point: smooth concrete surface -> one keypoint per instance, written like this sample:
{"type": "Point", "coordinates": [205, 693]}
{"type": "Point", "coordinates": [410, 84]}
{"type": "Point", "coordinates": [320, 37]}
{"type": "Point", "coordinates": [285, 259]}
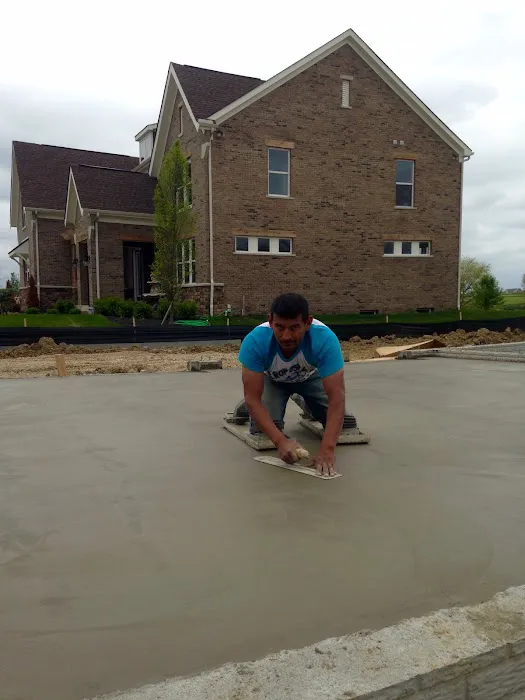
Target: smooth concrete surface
{"type": "Point", "coordinates": [469, 653]}
{"type": "Point", "coordinates": [139, 540]}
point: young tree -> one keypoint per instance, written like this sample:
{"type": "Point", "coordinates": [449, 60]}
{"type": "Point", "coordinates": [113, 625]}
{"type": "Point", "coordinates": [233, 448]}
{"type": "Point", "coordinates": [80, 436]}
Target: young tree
{"type": "Point", "coordinates": [32, 299]}
{"type": "Point", "coordinates": [471, 271]}
{"type": "Point", "coordinates": [523, 282]}
{"type": "Point", "coordinates": [14, 282]}
{"type": "Point", "coordinates": [486, 292]}
{"type": "Point", "coordinates": [174, 221]}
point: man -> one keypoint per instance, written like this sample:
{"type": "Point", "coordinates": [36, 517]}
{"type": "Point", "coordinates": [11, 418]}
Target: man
{"type": "Point", "coordinates": [294, 354]}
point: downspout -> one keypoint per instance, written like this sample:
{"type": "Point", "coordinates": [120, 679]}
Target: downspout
{"type": "Point", "coordinates": [90, 263]}
{"type": "Point", "coordinates": [37, 252]}
{"type": "Point", "coordinates": [210, 212]}
{"type": "Point", "coordinates": [98, 261]}
{"type": "Point", "coordinates": [463, 160]}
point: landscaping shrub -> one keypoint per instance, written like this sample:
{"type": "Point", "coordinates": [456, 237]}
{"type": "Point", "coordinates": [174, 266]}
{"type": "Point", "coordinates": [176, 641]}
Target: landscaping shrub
{"type": "Point", "coordinates": [32, 310]}
{"type": "Point", "coordinates": [7, 300]}
{"type": "Point", "coordinates": [141, 309]}
{"type": "Point", "coordinates": [52, 311]}
{"type": "Point", "coordinates": [75, 311]}
{"type": "Point", "coordinates": [108, 306]}
{"type": "Point", "coordinates": [161, 308]}
{"type": "Point", "coordinates": [186, 310]}
{"type": "Point", "coordinates": [64, 306]}
{"type": "Point", "coordinates": [125, 309]}
{"type": "Point", "coordinates": [32, 299]}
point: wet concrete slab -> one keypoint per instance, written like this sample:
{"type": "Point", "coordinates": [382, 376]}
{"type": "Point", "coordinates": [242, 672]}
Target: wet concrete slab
{"type": "Point", "coordinates": [139, 540]}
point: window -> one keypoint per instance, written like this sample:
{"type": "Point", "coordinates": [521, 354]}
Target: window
{"type": "Point", "coordinates": [186, 262]}
{"type": "Point", "coordinates": [181, 120]}
{"type": "Point", "coordinates": [241, 244]}
{"type": "Point", "coordinates": [285, 245]}
{"type": "Point", "coordinates": [278, 172]}
{"type": "Point", "coordinates": [253, 245]}
{"type": "Point", "coordinates": [406, 248]}
{"type": "Point", "coordinates": [405, 183]}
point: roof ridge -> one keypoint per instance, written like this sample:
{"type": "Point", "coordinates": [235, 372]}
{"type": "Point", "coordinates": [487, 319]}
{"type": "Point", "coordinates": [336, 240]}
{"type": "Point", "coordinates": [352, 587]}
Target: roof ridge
{"type": "Point", "coordinates": [105, 167]}
{"type": "Point", "coordinates": [221, 72]}
{"type": "Point", "coordinates": [72, 148]}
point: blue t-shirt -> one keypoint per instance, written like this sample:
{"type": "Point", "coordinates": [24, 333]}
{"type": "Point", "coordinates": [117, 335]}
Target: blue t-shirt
{"type": "Point", "coordinates": [319, 351]}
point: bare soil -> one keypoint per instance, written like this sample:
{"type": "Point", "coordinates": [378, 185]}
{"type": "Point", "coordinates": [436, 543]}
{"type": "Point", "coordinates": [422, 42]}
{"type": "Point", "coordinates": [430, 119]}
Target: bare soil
{"type": "Point", "coordinates": [38, 359]}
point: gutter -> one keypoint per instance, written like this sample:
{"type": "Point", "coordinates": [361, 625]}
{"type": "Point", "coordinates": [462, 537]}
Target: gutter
{"type": "Point", "coordinates": [97, 254]}
{"type": "Point", "coordinates": [462, 161]}
{"type": "Point", "coordinates": [37, 253]}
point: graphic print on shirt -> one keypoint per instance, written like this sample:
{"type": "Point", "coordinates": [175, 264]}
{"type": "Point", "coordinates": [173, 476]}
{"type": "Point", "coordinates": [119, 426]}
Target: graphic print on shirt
{"type": "Point", "coordinates": [298, 369]}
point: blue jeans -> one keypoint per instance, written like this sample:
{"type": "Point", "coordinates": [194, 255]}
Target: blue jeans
{"type": "Point", "coordinates": [276, 394]}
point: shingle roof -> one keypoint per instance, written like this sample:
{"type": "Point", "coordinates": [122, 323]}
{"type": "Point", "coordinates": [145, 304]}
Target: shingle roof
{"type": "Point", "coordinates": [43, 171]}
{"type": "Point", "coordinates": [114, 190]}
{"type": "Point", "coordinates": [208, 91]}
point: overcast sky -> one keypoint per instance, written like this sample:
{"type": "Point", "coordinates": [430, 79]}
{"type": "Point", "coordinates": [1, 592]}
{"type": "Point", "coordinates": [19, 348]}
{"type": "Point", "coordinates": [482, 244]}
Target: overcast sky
{"type": "Point", "coordinates": [91, 75]}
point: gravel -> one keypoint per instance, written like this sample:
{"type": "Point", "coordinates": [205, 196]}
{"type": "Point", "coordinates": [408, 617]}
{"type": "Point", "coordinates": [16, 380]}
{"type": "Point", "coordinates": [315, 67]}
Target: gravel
{"type": "Point", "coordinates": [37, 360]}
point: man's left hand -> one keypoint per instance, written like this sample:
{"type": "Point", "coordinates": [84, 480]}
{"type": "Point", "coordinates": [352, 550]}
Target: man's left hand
{"type": "Point", "coordinates": [325, 462]}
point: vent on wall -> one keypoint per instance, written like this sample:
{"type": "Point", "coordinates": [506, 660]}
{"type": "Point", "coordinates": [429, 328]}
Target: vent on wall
{"type": "Point", "coordinates": [345, 92]}
{"type": "Point", "coordinates": [369, 312]}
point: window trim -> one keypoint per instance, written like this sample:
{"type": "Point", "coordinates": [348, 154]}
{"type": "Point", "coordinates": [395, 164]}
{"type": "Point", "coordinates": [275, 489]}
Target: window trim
{"type": "Point", "coordinates": [278, 172]}
{"type": "Point", "coordinates": [416, 246]}
{"type": "Point", "coordinates": [188, 259]}
{"type": "Point", "coordinates": [402, 182]}
{"type": "Point", "coordinates": [253, 246]}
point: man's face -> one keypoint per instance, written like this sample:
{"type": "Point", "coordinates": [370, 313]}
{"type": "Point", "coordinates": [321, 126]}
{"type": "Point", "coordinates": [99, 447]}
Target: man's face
{"type": "Point", "coordinates": [289, 331]}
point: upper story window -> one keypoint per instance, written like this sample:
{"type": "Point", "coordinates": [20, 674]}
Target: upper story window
{"type": "Point", "coordinates": [405, 183]}
{"type": "Point", "coordinates": [406, 248]}
{"type": "Point", "coordinates": [181, 120]}
{"type": "Point", "coordinates": [186, 267]}
{"type": "Point", "coordinates": [187, 193]}
{"type": "Point", "coordinates": [278, 172]}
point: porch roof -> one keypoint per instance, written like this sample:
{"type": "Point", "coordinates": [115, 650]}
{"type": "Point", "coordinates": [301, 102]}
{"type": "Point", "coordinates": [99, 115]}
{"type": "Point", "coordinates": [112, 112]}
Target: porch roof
{"type": "Point", "coordinates": [21, 250]}
{"type": "Point", "coordinates": [109, 189]}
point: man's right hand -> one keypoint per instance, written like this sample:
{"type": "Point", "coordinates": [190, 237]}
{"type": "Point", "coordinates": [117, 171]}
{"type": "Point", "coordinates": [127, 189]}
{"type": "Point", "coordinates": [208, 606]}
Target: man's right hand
{"type": "Point", "coordinates": [287, 450]}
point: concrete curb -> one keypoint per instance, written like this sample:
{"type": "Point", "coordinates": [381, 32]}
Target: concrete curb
{"type": "Point", "coordinates": [472, 653]}
{"type": "Point", "coordinates": [465, 352]}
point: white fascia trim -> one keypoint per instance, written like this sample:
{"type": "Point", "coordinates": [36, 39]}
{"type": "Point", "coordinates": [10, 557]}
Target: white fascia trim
{"type": "Point", "coordinates": [142, 132]}
{"type": "Point", "coordinates": [171, 90]}
{"type": "Point", "coordinates": [365, 52]}
{"type": "Point", "coordinates": [21, 250]}
{"type": "Point", "coordinates": [121, 217]}
{"type": "Point", "coordinates": [184, 98]}
{"type": "Point", "coordinates": [72, 201]}
{"type": "Point", "coordinates": [46, 213]}
{"type": "Point", "coordinates": [143, 166]}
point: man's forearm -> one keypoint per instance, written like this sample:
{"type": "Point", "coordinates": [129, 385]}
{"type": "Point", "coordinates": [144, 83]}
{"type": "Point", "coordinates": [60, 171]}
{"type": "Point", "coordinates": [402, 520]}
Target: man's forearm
{"type": "Point", "coordinates": [263, 420]}
{"type": "Point", "coordinates": [334, 423]}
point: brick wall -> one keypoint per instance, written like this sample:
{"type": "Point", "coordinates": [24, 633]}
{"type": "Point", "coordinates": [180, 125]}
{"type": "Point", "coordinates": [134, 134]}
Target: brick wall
{"type": "Point", "coordinates": [191, 142]}
{"type": "Point", "coordinates": [110, 243]}
{"type": "Point", "coordinates": [343, 197]}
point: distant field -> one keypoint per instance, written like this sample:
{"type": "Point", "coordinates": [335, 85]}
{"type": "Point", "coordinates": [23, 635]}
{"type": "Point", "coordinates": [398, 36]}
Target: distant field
{"type": "Point", "coordinates": [53, 320]}
{"type": "Point", "coordinates": [409, 317]}
{"type": "Point", "coordinates": [514, 299]}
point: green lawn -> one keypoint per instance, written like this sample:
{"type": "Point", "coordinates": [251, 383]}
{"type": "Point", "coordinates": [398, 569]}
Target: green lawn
{"type": "Point", "coordinates": [514, 299]}
{"type": "Point", "coordinates": [53, 320]}
{"type": "Point", "coordinates": [409, 317]}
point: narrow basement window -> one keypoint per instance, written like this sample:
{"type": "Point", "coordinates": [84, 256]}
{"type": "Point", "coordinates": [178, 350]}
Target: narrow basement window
{"type": "Point", "coordinates": [263, 245]}
{"type": "Point", "coordinates": [241, 244]}
{"type": "Point", "coordinates": [406, 248]}
{"type": "Point", "coordinates": [388, 248]}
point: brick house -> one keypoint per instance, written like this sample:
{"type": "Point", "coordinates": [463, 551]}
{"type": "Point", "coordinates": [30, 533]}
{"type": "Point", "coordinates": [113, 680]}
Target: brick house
{"type": "Point", "coordinates": [332, 178]}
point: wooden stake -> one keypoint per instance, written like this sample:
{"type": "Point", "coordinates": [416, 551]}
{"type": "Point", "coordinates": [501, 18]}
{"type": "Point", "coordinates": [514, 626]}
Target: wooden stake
{"type": "Point", "coordinates": [460, 315]}
{"type": "Point", "coordinates": [61, 365]}
{"type": "Point", "coordinates": [386, 321]}
{"type": "Point", "coordinates": [25, 322]}
{"type": "Point", "coordinates": [134, 324]}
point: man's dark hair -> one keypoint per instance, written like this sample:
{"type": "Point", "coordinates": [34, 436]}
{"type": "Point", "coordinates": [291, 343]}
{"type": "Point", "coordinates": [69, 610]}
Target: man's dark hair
{"type": "Point", "coordinates": [290, 306]}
